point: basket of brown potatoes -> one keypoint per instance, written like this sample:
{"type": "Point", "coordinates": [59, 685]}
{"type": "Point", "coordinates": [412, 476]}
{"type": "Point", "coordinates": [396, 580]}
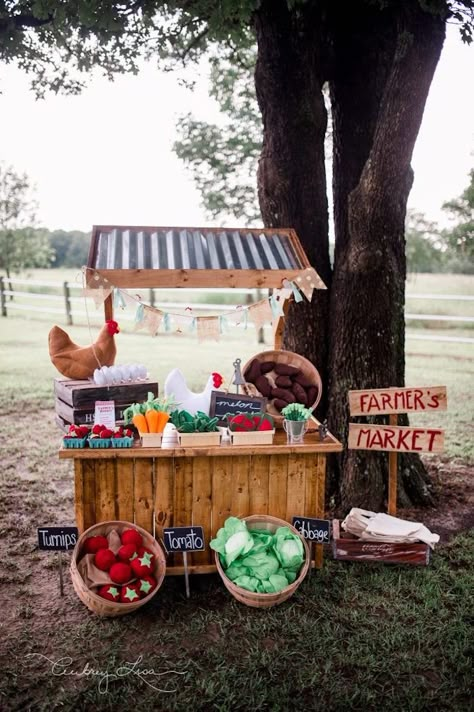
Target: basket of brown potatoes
{"type": "Point", "coordinates": [282, 377]}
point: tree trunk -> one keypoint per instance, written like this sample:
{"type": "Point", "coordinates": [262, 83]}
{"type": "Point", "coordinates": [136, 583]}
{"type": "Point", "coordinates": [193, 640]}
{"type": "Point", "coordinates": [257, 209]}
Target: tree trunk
{"type": "Point", "coordinates": [384, 88]}
{"type": "Point", "coordinates": [291, 174]}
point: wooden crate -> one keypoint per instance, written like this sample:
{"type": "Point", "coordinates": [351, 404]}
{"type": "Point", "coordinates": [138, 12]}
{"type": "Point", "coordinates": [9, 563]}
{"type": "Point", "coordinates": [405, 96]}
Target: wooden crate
{"type": "Point", "coordinates": [346, 547]}
{"type": "Point", "coordinates": [75, 400]}
{"type": "Point", "coordinates": [158, 488]}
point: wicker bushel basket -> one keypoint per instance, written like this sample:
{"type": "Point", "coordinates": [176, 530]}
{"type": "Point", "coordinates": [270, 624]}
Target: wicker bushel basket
{"type": "Point", "coordinates": [265, 600]}
{"type": "Point", "coordinates": [93, 601]}
{"type": "Point", "coordinates": [287, 358]}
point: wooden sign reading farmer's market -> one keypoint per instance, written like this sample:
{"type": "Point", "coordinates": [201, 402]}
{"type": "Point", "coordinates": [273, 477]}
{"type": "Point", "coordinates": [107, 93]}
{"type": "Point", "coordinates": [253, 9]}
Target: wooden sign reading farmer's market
{"type": "Point", "coordinates": [392, 437]}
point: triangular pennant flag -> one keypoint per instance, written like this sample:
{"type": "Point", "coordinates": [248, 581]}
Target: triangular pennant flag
{"type": "Point", "coordinates": [98, 294]}
{"type": "Point", "coordinates": [309, 280]}
{"type": "Point", "coordinates": [260, 313]}
{"type": "Point", "coordinates": [152, 320]}
{"type": "Point", "coordinates": [276, 307]}
{"type": "Point", "coordinates": [208, 328]}
{"type": "Point", "coordinates": [119, 301]}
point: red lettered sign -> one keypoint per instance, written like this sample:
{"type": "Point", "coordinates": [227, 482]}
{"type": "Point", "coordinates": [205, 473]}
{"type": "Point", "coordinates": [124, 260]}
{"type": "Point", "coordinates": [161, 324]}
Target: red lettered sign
{"type": "Point", "coordinates": [397, 400]}
{"type": "Point", "coordinates": [400, 439]}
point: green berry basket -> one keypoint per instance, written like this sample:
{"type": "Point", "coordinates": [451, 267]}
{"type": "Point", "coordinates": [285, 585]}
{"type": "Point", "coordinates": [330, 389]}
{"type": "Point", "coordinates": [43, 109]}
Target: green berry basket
{"type": "Point", "coordinates": [76, 443]}
{"type": "Point", "coordinates": [121, 442]}
{"type": "Point", "coordinates": [99, 443]}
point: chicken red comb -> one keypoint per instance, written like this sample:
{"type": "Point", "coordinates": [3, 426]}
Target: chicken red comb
{"type": "Point", "coordinates": [112, 327]}
{"type": "Point", "coordinates": [217, 379]}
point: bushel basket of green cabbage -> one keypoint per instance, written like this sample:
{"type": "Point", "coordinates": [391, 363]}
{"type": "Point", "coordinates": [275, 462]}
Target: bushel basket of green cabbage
{"type": "Point", "coordinates": [261, 559]}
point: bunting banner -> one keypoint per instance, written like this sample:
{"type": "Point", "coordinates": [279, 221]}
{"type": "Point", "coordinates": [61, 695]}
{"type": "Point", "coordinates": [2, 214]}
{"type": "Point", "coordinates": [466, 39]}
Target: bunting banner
{"type": "Point", "coordinates": [152, 319]}
{"type": "Point", "coordinates": [208, 328]}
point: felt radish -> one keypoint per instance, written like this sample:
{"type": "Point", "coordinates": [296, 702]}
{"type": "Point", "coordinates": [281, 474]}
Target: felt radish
{"type": "Point", "coordinates": [129, 593]}
{"type": "Point", "coordinates": [143, 564]}
{"type": "Point", "coordinates": [131, 536]}
{"type": "Point", "coordinates": [127, 552]}
{"type": "Point", "coordinates": [109, 592]}
{"type": "Point", "coordinates": [146, 585]}
{"type": "Point", "coordinates": [104, 559]}
{"type": "Point", "coordinates": [93, 543]}
{"type": "Point", "coordinates": [120, 572]}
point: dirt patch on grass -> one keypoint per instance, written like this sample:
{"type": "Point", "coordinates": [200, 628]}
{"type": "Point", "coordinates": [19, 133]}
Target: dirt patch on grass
{"type": "Point", "coordinates": [453, 484]}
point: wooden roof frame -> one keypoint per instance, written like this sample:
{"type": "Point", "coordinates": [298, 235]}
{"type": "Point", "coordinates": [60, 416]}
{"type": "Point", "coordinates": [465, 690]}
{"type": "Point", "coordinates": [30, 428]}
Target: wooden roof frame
{"type": "Point", "coordinates": [199, 278]}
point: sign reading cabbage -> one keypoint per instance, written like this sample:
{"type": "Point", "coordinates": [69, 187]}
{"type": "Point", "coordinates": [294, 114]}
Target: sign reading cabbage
{"type": "Point", "coordinates": [258, 560]}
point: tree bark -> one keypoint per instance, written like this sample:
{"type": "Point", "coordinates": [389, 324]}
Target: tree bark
{"type": "Point", "coordinates": [291, 176]}
{"type": "Point", "coordinates": [372, 182]}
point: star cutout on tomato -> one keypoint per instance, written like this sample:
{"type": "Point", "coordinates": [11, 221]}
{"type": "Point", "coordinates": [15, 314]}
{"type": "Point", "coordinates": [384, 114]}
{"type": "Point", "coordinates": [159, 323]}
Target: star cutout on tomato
{"type": "Point", "coordinates": [146, 559]}
{"type": "Point", "coordinates": [145, 586]}
{"type": "Point", "coordinates": [130, 594]}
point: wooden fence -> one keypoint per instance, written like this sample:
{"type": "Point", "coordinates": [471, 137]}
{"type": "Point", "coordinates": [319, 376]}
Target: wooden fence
{"type": "Point", "coordinates": [65, 298]}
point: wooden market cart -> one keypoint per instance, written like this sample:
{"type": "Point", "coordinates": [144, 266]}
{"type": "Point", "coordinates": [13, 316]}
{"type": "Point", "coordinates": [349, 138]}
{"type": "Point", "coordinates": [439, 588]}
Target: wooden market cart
{"type": "Point", "coordinates": [163, 487]}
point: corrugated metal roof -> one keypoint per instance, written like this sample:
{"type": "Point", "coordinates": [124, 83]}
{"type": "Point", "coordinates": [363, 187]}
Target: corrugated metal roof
{"type": "Point", "coordinates": [125, 248]}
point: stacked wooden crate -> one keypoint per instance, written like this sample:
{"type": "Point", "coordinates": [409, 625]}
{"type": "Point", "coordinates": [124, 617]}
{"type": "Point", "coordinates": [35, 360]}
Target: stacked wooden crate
{"type": "Point", "coordinates": [75, 400]}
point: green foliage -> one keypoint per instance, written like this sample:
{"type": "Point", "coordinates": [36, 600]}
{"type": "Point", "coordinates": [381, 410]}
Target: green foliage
{"type": "Point", "coordinates": [222, 157]}
{"type": "Point", "coordinates": [71, 248]}
{"type": "Point", "coordinates": [21, 245]}
{"type": "Point", "coordinates": [460, 239]}
{"type": "Point", "coordinates": [424, 248]}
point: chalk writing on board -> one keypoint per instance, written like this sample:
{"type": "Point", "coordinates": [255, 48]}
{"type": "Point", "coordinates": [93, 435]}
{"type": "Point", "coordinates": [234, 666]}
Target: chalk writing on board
{"type": "Point", "coordinates": [57, 538]}
{"type": "Point", "coordinates": [184, 539]}
{"type": "Point", "coordinates": [223, 403]}
{"type": "Point", "coordinates": [313, 530]}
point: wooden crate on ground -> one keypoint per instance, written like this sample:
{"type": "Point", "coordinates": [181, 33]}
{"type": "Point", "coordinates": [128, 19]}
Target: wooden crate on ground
{"type": "Point", "coordinates": [347, 547]}
{"type": "Point", "coordinates": [75, 400]}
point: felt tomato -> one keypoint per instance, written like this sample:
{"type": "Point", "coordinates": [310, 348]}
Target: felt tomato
{"type": "Point", "coordinates": [131, 536]}
{"type": "Point", "coordinates": [104, 559]}
{"type": "Point", "coordinates": [146, 585]}
{"type": "Point", "coordinates": [143, 564]}
{"type": "Point", "coordinates": [120, 572]}
{"type": "Point", "coordinates": [127, 552]}
{"type": "Point", "coordinates": [93, 543]}
{"type": "Point", "coordinates": [110, 592]}
{"type": "Point", "coordinates": [129, 593]}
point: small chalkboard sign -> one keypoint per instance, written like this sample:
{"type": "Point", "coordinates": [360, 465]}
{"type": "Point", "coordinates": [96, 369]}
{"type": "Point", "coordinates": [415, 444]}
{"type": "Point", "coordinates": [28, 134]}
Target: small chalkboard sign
{"type": "Point", "coordinates": [316, 531]}
{"type": "Point", "coordinates": [57, 538]}
{"type": "Point", "coordinates": [183, 539]}
{"type": "Point", "coordinates": [223, 403]}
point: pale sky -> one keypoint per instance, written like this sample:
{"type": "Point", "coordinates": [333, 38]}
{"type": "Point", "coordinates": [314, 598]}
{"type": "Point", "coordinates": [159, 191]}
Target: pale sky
{"type": "Point", "coordinates": [105, 157]}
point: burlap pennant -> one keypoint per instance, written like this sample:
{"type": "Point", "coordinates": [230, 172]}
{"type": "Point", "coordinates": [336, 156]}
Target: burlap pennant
{"type": "Point", "coordinates": [261, 313]}
{"type": "Point", "coordinates": [308, 281]}
{"type": "Point", "coordinates": [151, 320]}
{"type": "Point", "coordinates": [208, 328]}
{"type": "Point", "coordinates": [98, 294]}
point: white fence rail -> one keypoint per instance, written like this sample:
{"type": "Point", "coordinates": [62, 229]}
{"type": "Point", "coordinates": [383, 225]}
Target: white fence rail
{"type": "Point", "coordinates": [49, 303]}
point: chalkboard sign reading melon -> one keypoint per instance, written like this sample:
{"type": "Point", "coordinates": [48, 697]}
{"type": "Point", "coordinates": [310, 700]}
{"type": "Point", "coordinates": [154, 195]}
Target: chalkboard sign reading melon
{"type": "Point", "coordinates": [223, 403]}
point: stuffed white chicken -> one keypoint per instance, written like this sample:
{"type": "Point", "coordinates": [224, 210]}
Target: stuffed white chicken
{"type": "Point", "coordinates": [175, 384]}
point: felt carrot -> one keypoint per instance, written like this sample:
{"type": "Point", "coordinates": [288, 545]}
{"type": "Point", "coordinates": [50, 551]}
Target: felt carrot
{"type": "Point", "coordinates": [152, 418]}
{"type": "Point", "coordinates": [140, 423]}
{"type": "Point", "coordinates": [135, 415]}
{"type": "Point", "coordinates": [162, 420]}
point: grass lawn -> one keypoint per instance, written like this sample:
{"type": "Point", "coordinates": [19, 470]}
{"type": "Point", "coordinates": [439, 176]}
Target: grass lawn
{"type": "Point", "coordinates": [354, 636]}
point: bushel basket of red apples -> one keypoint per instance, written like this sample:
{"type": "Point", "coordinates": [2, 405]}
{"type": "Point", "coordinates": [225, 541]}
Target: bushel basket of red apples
{"type": "Point", "coordinates": [117, 567]}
